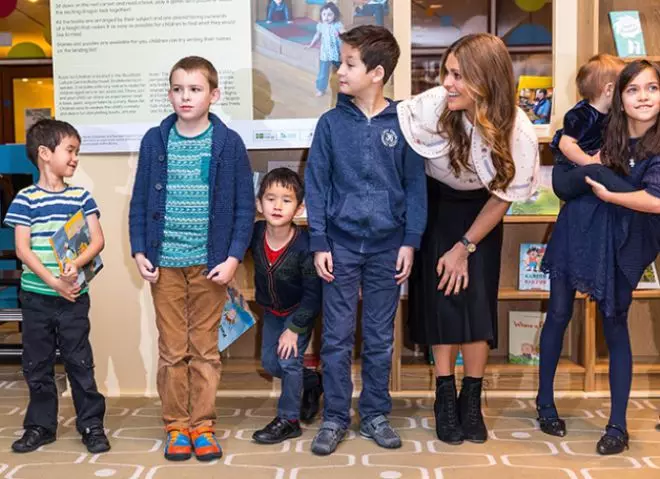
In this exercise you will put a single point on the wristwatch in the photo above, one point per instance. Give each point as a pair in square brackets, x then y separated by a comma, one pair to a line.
[471, 247]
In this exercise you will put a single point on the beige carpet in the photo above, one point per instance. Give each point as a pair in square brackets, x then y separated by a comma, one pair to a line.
[516, 448]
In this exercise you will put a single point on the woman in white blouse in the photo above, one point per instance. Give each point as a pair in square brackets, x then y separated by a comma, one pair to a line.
[482, 154]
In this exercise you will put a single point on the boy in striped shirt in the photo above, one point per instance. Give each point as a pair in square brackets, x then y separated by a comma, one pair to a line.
[55, 310]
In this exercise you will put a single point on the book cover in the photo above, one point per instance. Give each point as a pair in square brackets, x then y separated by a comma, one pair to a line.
[530, 276]
[236, 318]
[69, 242]
[649, 278]
[542, 202]
[524, 336]
[535, 98]
[628, 35]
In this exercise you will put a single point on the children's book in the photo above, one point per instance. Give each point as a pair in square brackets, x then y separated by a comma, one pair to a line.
[542, 202]
[628, 35]
[530, 276]
[535, 99]
[236, 318]
[524, 336]
[69, 242]
[649, 278]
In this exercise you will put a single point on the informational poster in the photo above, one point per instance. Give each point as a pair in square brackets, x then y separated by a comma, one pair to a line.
[276, 60]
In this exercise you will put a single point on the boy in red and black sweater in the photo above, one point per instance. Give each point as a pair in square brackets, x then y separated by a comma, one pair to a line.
[289, 290]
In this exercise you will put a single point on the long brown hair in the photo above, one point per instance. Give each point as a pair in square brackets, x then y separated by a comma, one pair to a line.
[616, 151]
[487, 71]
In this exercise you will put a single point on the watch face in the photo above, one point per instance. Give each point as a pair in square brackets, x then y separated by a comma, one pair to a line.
[471, 248]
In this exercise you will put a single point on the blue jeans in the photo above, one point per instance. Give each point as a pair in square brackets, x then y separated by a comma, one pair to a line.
[380, 298]
[323, 78]
[290, 371]
[376, 11]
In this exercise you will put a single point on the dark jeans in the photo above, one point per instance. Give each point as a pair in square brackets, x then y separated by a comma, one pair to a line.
[374, 273]
[373, 10]
[569, 180]
[51, 322]
[291, 371]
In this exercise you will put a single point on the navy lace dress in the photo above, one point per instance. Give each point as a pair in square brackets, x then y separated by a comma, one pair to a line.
[602, 249]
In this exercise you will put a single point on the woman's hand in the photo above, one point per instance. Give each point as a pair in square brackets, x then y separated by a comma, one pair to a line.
[453, 270]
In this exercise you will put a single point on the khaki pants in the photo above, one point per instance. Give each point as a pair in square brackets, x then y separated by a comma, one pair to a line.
[188, 308]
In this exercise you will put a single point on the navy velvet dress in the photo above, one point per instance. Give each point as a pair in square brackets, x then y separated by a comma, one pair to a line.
[602, 249]
[584, 123]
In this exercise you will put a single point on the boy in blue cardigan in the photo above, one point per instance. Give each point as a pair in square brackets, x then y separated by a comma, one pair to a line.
[366, 204]
[190, 221]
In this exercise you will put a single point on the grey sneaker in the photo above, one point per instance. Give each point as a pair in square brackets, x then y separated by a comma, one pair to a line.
[326, 440]
[380, 430]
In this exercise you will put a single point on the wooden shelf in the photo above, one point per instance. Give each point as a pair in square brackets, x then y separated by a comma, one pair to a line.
[530, 219]
[515, 294]
[646, 294]
[651, 58]
[496, 365]
[641, 365]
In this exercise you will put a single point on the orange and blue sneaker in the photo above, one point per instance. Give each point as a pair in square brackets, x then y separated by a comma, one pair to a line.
[205, 444]
[178, 446]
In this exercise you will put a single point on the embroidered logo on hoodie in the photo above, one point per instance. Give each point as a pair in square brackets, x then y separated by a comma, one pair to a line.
[389, 138]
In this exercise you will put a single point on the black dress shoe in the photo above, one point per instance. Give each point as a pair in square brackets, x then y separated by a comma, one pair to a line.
[469, 407]
[95, 440]
[33, 438]
[311, 398]
[610, 444]
[550, 422]
[277, 430]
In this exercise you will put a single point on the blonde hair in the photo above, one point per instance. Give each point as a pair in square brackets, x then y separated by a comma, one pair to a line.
[596, 73]
[487, 71]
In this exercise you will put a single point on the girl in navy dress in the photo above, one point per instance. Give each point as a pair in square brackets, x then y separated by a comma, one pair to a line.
[602, 243]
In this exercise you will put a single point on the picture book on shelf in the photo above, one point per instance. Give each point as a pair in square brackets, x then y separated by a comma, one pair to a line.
[236, 318]
[542, 202]
[69, 242]
[628, 35]
[530, 276]
[535, 98]
[524, 336]
[649, 278]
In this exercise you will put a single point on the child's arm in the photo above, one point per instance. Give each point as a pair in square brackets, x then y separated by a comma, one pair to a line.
[639, 200]
[318, 175]
[69, 291]
[244, 211]
[137, 212]
[571, 150]
[315, 39]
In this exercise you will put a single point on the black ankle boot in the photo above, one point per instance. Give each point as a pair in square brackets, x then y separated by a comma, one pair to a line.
[447, 424]
[550, 421]
[469, 405]
[613, 443]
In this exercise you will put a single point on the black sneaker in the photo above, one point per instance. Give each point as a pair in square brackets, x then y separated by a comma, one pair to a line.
[311, 398]
[95, 440]
[278, 430]
[33, 438]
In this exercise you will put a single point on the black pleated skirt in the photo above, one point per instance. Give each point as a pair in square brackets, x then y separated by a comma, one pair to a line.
[471, 315]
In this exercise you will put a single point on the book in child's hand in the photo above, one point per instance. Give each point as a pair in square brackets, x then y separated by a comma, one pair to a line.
[628, 35]
[524, 336]
[530, 276]
[69, 242]
[236, 318]
[544, 201]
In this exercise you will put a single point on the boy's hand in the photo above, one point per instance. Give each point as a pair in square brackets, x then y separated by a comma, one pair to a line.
[146, 269]
[288, 344]
[323, 265]
[70, 274]
[404, 263]
[224, 272]
[67, 290]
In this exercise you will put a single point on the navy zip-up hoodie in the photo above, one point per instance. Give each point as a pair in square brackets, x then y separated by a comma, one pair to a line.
[231, 195]
[365, 188]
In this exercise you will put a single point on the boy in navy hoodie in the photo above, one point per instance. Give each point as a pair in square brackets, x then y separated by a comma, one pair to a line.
[366, 204]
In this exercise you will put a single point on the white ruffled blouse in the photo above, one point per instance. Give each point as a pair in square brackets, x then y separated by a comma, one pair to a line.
[419, 116]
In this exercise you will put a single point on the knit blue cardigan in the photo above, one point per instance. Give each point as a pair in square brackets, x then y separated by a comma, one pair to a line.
[231, 195]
